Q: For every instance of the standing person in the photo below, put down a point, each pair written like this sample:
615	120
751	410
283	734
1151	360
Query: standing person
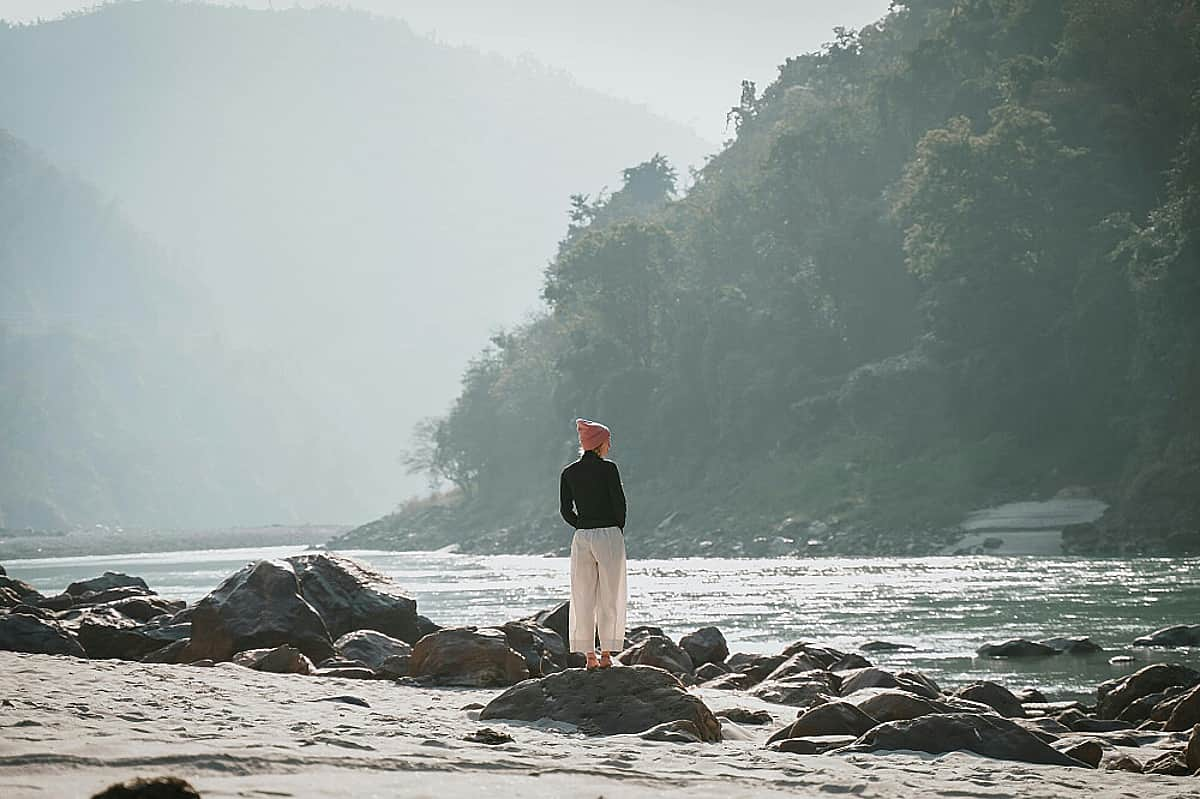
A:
592	501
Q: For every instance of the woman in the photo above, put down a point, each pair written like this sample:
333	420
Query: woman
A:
593	502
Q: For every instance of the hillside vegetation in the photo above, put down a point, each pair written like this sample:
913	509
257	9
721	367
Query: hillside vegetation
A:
949	260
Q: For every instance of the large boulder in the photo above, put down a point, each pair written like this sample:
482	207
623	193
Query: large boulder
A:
557	618
144	608
1116	695
995	696
832	718
797	691
872	677
150	788
755	667
895	704
706	645
606	702
799	663
351	597
23	591
544	651
22	633
109	595
258	607
468	656
1072	645
1176	635
388	656
984	734
1184	711
1192	753
282	659
1015	648
660	652
106	633
105	582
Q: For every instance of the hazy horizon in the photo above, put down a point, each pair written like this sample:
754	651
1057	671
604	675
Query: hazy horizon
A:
683	60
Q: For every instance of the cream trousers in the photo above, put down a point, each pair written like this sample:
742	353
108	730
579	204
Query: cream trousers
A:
598	590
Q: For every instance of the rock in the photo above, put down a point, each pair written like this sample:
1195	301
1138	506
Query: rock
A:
467	656
796	664
1122	763
883	646
660	652
145	608
282	659
258	607
706	645
1192	753
895	705
105	633
373	649
544	651
832	718
606	702
635	634
349	596
812	746
1140	709
741	715
824	656
1166	708
1071	646
171	653
1172	764
105	582
1089	751
488	736
984	734
149	788
3	573
1015	648
794	691
1029	696
1078	722
732	681
556	618
21	589
1176	635
907	678
710	671
348	673
1116	695
345	699
21	633
995	696
57	603
755	667
850	662
8	598
111	595
681	732
872	677
31	610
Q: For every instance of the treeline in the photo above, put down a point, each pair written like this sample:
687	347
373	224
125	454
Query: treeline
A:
948	260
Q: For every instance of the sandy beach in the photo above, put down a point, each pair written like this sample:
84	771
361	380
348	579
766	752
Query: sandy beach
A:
71	727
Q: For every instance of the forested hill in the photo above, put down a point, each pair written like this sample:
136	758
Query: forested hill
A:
949	260
361	205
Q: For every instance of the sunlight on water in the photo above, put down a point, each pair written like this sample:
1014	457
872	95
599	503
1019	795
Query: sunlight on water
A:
943	607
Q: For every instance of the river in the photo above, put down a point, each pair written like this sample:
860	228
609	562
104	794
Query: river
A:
944	607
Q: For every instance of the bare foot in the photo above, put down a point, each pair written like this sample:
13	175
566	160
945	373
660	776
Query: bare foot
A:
592	663
606	660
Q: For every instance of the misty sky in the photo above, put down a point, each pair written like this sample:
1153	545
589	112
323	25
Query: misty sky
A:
682	58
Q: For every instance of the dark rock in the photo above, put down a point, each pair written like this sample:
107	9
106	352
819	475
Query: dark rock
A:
105	582
1076	721
930	688
111	595
556	618
897	705
348	673
425	626
823	655
658	651
58	602
1080	539
706	645
755	667
1122	763
1192	753
8	598
640	633
832	718
1030	696
1015	648
1140	709
374	649
544	651
171	653
349	597
31	610
20	633
1166	708
282	659
683	731
605	701
23	590
732	681
812	746
106	633
995	696
850	662
794	691
1176	635
488	736
799	663
1072	646
984	734
258	607
873	677
710	671
145	608
467	656
741	715
149	788
2	572
345	699
1116	695
1171	764
1089	751
883	646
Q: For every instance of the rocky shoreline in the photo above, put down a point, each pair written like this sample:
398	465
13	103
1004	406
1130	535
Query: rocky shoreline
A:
333	621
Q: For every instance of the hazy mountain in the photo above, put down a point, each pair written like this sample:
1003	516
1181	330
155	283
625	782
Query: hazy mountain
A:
361	204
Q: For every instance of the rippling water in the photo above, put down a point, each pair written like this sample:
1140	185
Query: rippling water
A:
943	607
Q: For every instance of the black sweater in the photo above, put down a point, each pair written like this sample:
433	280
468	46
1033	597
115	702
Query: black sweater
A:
594	486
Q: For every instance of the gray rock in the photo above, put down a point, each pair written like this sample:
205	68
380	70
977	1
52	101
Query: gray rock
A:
258	607
1076	721
105	582
872	677
741	715
110	595
106	633
710	671
895	705
1184	711
171	653
21	633
23	591
994	696
683	731
755	667
731	681
1171	764
794	691
1071	646
606	702
144	608
150	788
706	645
884	646
58	602
1116	695
1122	763
639	633
467	656
815	745
1192	752
797	664
660	652
832	718
1015	648
372	648
1176	635
544	651
1089	751
348	673
556	618
984	734
350	596
1140	709
282	659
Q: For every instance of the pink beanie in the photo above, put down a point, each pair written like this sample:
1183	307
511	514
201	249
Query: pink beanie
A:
591	434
